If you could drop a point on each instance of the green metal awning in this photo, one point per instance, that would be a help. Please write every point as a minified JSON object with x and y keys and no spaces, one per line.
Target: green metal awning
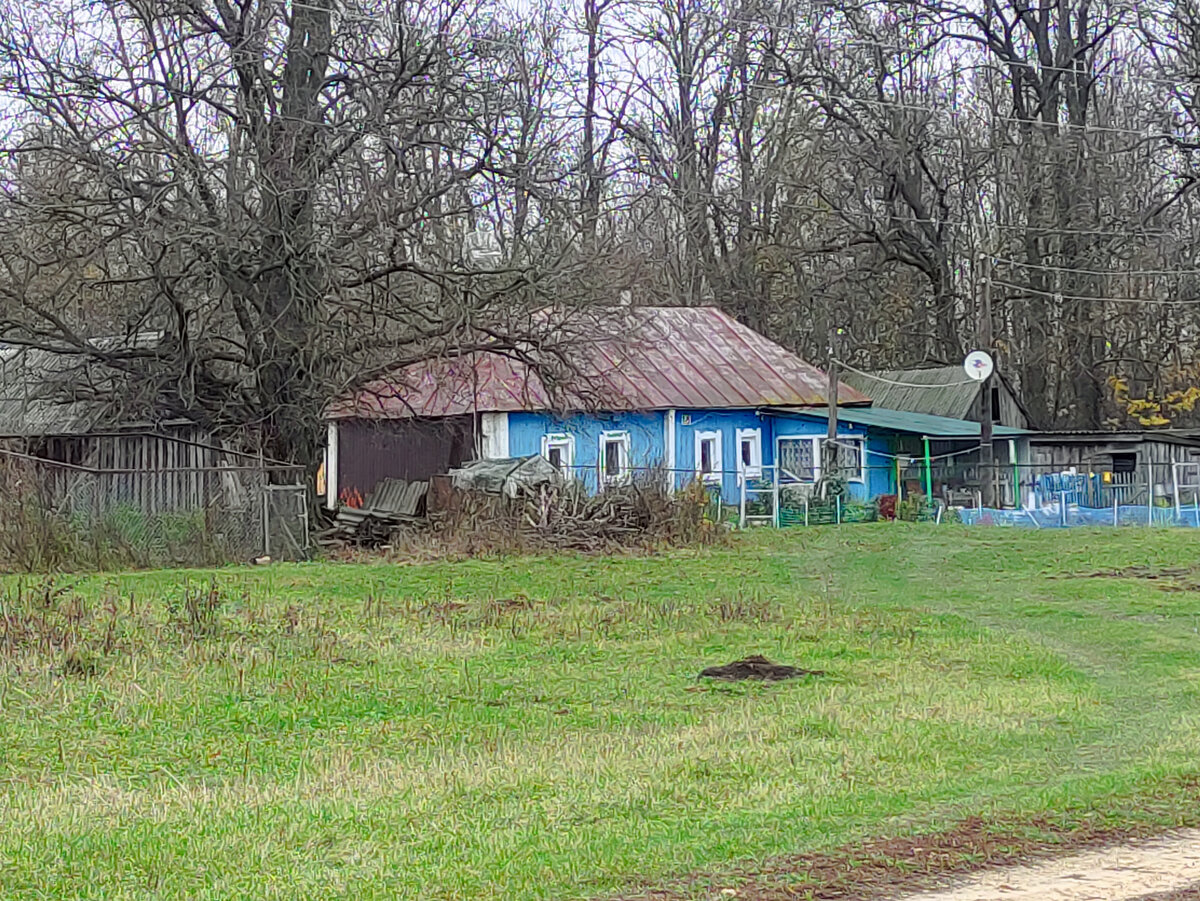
{"x":921,"y":424}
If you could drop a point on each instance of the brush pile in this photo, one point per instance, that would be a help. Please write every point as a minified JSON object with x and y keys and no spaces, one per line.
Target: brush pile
{"x":568,"y":517}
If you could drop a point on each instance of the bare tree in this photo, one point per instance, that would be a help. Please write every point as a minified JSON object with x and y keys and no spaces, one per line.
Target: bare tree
{"x":907,"y":168}
{"x":279,"y":190}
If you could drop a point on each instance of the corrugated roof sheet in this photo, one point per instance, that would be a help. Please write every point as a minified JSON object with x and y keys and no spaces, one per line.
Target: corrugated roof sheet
{"x":37,"y":389}
{"x":669,"y":357}
{"x":1187,"y":437}
{"x":945,"y":390}
{"x":920,"y":424}
{"x":397,"y":496}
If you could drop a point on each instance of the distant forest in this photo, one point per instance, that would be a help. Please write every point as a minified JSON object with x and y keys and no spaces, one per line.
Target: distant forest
{"x":292,"y":196}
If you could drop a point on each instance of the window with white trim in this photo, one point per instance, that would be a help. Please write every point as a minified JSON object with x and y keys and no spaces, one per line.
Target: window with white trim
{"x":708,"y":456}
{"x":749,"y":445}
{"x":614,"y":458}
{"x":559,"y":449}
{"x":852,"y":458}
{"x":799,"y":458}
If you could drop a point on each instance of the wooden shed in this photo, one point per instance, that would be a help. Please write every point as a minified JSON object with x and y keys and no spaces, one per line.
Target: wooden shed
{"x":1128,"y":461}
{"x":61,"y":414}
{"x":1117,"y":452}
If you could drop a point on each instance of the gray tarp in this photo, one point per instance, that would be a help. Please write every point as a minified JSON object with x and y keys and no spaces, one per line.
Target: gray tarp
{"x":510,"y":477}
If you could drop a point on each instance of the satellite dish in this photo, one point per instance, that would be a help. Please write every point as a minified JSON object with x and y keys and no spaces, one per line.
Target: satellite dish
{"x":978,"y":365}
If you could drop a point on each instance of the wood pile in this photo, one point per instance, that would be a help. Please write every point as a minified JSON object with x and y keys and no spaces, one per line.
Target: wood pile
{"x":547,"y":518}
{"x":575,"y":520}
{"x":393,"y":504}
{"x":567,"y":518}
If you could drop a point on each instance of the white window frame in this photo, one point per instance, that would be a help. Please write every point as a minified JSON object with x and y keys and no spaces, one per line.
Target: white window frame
{"x":566,"y":444}
{"x":861,"y":475}
{"x":815,"y":442}
{"x":818,"y":443}
{"x":624,"y":476}
{"x":753,"y":470}
{"x":717,"y":438}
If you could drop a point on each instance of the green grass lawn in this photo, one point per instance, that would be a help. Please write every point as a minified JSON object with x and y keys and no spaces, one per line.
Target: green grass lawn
{"x":532,"y":728}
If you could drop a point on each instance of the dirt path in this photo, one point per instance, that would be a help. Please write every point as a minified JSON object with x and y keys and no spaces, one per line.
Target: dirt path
{"x":1167,"y":867}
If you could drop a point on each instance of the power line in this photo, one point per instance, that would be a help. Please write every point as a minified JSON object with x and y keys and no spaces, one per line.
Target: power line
{"x":901,"y":384}
{"x":912,"y":458}
{"x":1110,"y":273}
{"x":1084,"y":298}
{"x":982,"y":60}
{"x":824,"y":98}
{"x":926,"y":47}
{"x":510,"y":43}
{"x":990,"y":117}
{"x":918,"y":220}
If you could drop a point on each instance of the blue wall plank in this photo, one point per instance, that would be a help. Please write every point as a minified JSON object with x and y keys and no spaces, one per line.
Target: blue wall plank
{"x":525,"y":432}
{"x":727,"y":422}
{"x":816,"y":425}
{"x":646,"y":432}
{"x":881,"y":475}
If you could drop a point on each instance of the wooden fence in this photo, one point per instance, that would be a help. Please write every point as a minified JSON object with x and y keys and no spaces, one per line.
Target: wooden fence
{"x":149,"y":492}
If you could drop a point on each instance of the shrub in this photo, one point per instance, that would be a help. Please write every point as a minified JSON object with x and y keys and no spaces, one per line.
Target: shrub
{"x":916,"y":508}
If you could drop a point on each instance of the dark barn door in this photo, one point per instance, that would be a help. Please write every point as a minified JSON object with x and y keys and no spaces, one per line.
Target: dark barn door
{"x":369,"y":451}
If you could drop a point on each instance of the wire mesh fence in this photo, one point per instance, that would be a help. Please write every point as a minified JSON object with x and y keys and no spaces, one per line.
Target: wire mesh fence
{"x":954,"y":488}
{"x":944,"y":488}
{"x":774,"y":495}
{"x":285,"y":521}
{"x":218,"y":507}
{"x":958,"y":488}
{"x":1164,"y":493}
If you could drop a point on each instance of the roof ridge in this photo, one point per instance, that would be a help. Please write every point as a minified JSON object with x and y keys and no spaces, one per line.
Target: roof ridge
{"x":670,"y":357}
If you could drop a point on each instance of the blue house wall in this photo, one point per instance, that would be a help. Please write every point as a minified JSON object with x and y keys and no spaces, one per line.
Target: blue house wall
{"x":648,"y":432}
{"x":526,"y":431}
{"x":817,"y":427}
{"x":881,"y":477}
{"x":689,"y":422}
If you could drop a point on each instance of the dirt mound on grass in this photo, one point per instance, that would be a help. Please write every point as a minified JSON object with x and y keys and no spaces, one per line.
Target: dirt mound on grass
{"x":756,"y":667}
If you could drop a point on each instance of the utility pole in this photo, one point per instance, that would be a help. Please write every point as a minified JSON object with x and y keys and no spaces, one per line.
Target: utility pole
{"x":829,"y":459}
{"x":829,"y":465}
{"x":987,"y":470}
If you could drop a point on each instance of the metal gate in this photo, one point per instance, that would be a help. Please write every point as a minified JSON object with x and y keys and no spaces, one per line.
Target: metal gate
{"x":285,"y":522}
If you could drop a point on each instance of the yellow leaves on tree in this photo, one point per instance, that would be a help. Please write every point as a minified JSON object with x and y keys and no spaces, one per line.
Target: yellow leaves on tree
{"x":1152,"y":410}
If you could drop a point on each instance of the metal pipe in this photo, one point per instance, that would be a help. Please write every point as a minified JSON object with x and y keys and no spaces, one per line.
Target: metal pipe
{"x":928,"y":472}
{"x":1012,"y":452}
{"x":775,"y":491}
{"x":899,"y":489}
{"x":1149,"y":491}
{"x":1175,"y":487}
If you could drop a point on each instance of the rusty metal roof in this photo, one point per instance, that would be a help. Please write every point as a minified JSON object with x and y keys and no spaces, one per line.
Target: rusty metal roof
{"x":669,"y":357}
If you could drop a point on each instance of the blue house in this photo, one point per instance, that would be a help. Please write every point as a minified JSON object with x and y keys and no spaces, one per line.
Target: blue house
{"x":680,"y":393}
